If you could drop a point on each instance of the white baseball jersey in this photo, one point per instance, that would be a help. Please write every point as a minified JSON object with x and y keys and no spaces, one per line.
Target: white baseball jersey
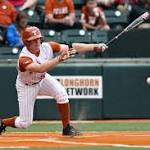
{"x":46,"y":53}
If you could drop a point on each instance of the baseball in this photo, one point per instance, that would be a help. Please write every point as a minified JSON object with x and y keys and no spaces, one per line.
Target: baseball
{"x":148,"y":80}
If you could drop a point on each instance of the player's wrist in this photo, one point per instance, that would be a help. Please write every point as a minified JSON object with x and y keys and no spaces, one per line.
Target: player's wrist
{"x":100,"y":47}
{"x":97,"y":48}
{"x":59,"y":59}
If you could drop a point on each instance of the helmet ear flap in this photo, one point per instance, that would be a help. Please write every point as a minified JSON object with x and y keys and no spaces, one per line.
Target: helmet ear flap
{"x":26,"y":43}
{"x":42,"y":40}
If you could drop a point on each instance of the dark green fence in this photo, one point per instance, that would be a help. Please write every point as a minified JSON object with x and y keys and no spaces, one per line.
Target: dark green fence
{"x":125,"y":92}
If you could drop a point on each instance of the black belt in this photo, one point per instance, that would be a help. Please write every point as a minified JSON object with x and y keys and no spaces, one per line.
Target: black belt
{"x":28,"y":84}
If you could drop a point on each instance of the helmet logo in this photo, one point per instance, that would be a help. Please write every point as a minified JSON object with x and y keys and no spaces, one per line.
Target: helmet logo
{"x":34,"y":33}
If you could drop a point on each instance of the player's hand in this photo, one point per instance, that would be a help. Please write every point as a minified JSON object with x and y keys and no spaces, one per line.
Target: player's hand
{"x":64,"y":47}
{"x":66,"y":54}
{"x":100,"y":47}
{"x":72,"y":52}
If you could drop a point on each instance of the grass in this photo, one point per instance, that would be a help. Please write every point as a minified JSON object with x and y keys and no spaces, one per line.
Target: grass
{"x":56,"y":127}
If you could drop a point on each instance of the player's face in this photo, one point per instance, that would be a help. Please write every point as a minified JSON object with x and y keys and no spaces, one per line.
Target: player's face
{"x":91,"y":4}
{"x":34,"y":46}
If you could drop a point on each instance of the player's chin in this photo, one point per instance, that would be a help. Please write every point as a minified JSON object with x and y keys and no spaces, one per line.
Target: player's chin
{"x":37,"y":52}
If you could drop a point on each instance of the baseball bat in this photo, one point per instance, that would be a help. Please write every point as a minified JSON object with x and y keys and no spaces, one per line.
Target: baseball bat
{"x":145,"y":16}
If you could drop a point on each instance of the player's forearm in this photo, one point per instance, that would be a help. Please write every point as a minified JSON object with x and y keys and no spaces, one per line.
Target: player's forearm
{"x":49,"y":65}
{"x":81,"y":47}
{"x":41,"y":68}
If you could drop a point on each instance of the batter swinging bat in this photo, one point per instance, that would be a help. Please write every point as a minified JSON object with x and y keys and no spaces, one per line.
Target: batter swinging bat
{"x":131,"y":26}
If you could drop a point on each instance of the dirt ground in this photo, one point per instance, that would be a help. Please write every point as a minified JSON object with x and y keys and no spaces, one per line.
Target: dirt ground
{"x":49,"y":139}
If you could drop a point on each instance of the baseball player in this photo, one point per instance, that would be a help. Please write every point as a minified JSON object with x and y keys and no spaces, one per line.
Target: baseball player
{"x":35,"y":59}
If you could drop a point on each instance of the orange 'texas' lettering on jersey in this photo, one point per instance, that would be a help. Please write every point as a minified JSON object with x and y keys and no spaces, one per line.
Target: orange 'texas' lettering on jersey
{"x":59,"y":9}
{"x":24,"y":62}
{"x":55,"y":46}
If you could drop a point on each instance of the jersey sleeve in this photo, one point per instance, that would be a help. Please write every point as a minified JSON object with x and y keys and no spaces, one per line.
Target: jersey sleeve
{"x":24,"y":61}
{"x":71,"y":6}
{"x":48,"y":7}
{"x":56,"y":47}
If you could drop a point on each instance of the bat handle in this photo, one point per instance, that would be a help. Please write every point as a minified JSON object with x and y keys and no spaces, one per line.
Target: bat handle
{"x":116,"y":37}
{"x":112,"y":40}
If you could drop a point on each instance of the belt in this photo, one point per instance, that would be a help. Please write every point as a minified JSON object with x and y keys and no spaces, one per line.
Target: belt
{"x":28,"y":84}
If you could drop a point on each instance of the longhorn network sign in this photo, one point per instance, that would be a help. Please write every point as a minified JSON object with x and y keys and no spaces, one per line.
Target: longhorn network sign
{"x":81,"y":87}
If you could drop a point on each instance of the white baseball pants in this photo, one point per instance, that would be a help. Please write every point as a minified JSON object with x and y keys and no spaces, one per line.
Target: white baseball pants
{"x":49,"y":86}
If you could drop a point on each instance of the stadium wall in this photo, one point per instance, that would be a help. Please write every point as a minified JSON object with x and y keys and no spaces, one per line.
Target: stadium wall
{"x":123,"y":88}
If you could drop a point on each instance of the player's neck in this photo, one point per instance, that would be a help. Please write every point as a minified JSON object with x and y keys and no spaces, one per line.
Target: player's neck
{"x":36,"y":53}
